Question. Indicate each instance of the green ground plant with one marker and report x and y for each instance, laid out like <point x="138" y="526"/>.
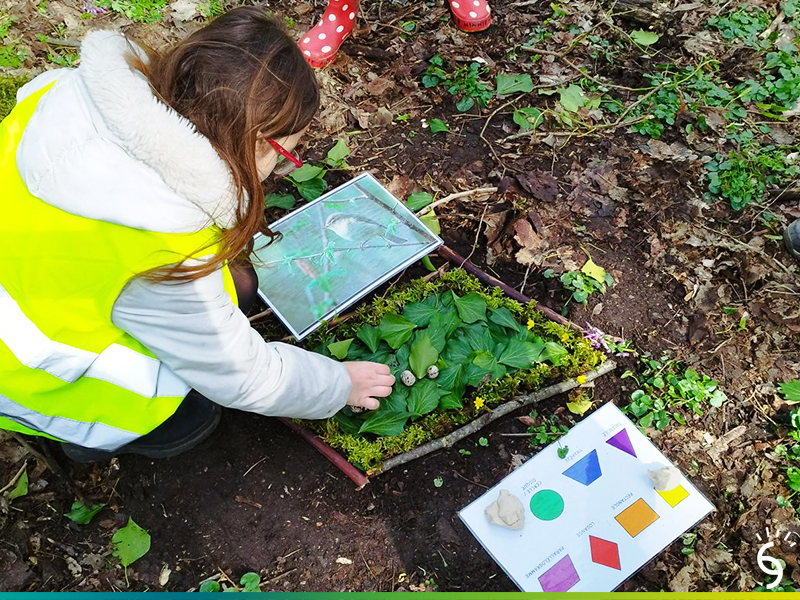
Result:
<point x="464" y="83"/>
<point x="309" y="180"/>
<point x="249" y="582"/>
<point x="546" y="431"/>
<point x="582" y="284"/>
<point x="743" y="175"/>
<point x="12" y="53"/>
<point x="369" y="451"/>
<point x="667" y="390"/>
<point x="140" y="11"/>
<point x="742" y="24"/>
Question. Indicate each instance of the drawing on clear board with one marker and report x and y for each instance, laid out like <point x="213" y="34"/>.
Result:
<point x="622" y="441"/>
<point x="560" y="577"/>
<point x="586" y="470"/>
<point x="334" y="250"/>
<point x="604" y="552"/>
<point x="637" y="517"/>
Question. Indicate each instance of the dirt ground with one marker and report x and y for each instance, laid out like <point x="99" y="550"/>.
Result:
<point x="255" y="497"/>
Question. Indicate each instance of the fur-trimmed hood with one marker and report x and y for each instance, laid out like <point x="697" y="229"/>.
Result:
<point x="101" y="145"/>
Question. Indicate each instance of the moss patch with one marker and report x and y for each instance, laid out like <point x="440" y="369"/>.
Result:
<point x="369" y="452"/>
<point x="8" y="93"/>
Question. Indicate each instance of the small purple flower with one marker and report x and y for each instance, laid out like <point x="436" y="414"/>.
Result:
<point x="90" y="8"/>
<point x="607" y="343"/>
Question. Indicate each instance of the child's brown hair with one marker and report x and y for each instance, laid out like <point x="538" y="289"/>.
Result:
<point x="237" y="79"/>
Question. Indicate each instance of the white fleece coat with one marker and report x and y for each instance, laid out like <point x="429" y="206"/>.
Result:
<point x="101" y="146"/>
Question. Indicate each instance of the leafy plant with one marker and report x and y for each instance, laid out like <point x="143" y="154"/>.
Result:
<point x="743" y="175"/>
<point x="141" y="11"/>
<point x="742" y="24"/>
<point x="213" y="8"/>
<point x="309" y="180"/>
<point x="666" y="386"/>
<point x="791" y="391"/>
<point x="644" y="38"/>
<point x="469" y="343"/>
<point x="528" y="118"/>
<point x="464" y="83"/>
<point x="547" y="431"/>
<point x="12" y="54"/>
<point x="249" y="583"/>
<point x="582" y="284"/>
<point x="513" y="84"/>
<point x="438" y="125"/>
<point x="438" y="482"/>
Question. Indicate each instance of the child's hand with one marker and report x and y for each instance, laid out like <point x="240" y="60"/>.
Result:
<point x="370" y="381"/>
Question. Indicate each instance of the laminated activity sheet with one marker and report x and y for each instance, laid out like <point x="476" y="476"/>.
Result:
<point x="590" y="520"/>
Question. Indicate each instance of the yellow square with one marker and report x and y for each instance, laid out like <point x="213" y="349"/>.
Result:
<point x="674" y="496"/>
<point x="637" y="517"/>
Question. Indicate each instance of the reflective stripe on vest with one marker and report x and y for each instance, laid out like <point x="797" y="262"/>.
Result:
<point x="116" y="364"/>
<point x="66" y="371"/>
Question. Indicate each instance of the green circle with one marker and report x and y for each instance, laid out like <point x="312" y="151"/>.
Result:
<point x="547" y="505"/>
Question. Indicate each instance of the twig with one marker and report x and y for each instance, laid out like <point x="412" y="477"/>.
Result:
<point x="486" y="487"/>
<point x="254" y="466"/>
<point x="520" y="401"/>
<point x="446" y="199"/>
<point x="65" y="43"/>
<point x="30" y="449"/>
<point x="15" y="478"/>
<point x="263" y="313"/>
<point x="773" y="26"/>
<point x="274" y="579"/>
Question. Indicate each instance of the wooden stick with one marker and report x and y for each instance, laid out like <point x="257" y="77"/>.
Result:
<point x="462" y="262"/>
<point x="334" y="457"/>
<point x="15" y="478"/>
<point x="446" y="199"/>
<point x="520" y="401"/>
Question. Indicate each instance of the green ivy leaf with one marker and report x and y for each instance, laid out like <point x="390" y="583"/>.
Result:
<point x="793" y="476"/>
<point x="396" y="330"/>
<point x="553" y="352"/>
<point x="528" y="118"/>
<point x="644" y="38"/>
<point x="312" y="189"/>
<point x="384" y="422"/>
<point x="82" y="514"/>
<point x="451" y="401"/>
<point x="419" y="201"/>
<point x="421" y="313"/>
<point x="512" y="84"/>
<point x="431" y="222"/>
<point x="456" y="351"/>
<point x="426" y="262"/>
<point x="503" y="317"/>
<point x="464" y="104"/>
<point x="397" y="400"/>
<point x="446" y="318"/>
<point x="519" y="354"/>
<point x="791" y="390"/>
<point x="422" y="356"/>
<point x="305" y="173"/>
<point x="210" y="586"/>
<point x="487" y="361"/>
<point x="337" y="154"/>
<point x="250" y="581"/>
<point x="130" y="543"/>
<point x="370" y="336"/>
<point x="339" y="349"/>
<point x="471" y="308"/>
<point x="21" y="488"/>
<point x="347" y="421"/>
<point x="438" y="125"/>
<point x="478" y="336"/>
<point x="284" y="201"/>
<point x="424" y="398"/>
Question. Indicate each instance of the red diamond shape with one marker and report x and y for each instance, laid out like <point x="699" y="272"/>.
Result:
<point x="604" y="552"/>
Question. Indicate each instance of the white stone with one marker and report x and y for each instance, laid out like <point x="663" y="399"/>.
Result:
<point x="507" y="511"/>
<point x="433" y="372"/>
<point x="408" y="379"/>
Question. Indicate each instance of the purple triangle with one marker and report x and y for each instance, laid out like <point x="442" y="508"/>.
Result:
<point x="621" y="441"/>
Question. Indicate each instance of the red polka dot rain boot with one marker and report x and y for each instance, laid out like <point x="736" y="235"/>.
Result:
<point x="471" y="15"/>
<point x="322" y="41"/>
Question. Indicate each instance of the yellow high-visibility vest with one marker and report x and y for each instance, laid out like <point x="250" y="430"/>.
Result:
<point x="66" y="371"/>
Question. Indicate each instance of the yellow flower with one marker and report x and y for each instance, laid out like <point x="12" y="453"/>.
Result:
<point x="581" y="379"/>
<point x="479" y="402"/>
<point x="565" y="337"/>
<point x="530" y="324"/>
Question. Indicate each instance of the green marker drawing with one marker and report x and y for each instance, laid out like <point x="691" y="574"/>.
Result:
<point x="547" y="505"/>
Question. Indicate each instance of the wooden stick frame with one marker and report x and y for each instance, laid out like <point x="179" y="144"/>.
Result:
<point x="361" y="479"/>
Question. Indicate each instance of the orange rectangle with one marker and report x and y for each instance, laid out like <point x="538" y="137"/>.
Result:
<point x="637" y="517"/>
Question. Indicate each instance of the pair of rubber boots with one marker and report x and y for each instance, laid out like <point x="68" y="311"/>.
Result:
<point x="321" y="43"/>
<point x="196" y="418"/>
